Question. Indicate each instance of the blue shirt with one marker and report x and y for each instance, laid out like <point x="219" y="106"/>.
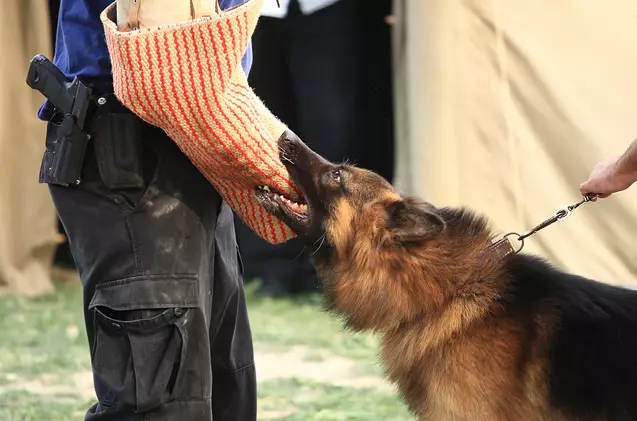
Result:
<point x="80" y="45"/>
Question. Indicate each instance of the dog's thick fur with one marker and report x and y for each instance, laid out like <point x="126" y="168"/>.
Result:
<point x="466" y="336"/>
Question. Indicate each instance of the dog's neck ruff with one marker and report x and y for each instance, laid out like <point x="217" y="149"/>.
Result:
<point x="186" y="78"/>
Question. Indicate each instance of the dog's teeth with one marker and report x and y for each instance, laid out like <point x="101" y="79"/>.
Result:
<point x="266" y="188"/>
<point x="296" y="206"/>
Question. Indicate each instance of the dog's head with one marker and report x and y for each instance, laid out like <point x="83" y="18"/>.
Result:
<point x="383" y="258"/>
<point x="340" y="200"/>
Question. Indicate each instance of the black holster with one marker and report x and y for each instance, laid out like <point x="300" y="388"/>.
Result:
<point x="66" y="158"/>
<point x="74" y="105"/>
<point x="113" y="135"/>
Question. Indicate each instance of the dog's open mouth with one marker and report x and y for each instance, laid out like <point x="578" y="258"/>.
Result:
<point x="282" y="206"/>
<point x="299" y="211"/>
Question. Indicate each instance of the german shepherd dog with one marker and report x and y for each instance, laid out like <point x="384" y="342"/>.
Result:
<point x="465" y="335"/>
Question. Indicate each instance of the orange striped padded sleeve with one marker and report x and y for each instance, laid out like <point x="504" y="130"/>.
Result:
<point x="186" y="78"/>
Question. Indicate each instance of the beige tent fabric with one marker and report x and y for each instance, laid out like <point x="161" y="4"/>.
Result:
<point x="27" y="217"/>
<point x="506" y="106"/>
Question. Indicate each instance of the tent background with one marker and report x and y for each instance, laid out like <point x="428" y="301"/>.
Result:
<point x="501" y="106"/>
<point x="28" y="233"/>
<point x="507" y="106"/>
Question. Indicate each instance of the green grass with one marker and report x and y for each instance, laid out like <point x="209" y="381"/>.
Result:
<point x="43" y="335"/>
<point x="42" y="342"/>
<point x="279" y="324"/>
<point x="24" y="406"/>
<point x="304" y="400"/>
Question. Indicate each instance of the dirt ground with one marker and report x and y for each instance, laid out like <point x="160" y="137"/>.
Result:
<point x="335" y="370"/>
<point x="308" y="367"/>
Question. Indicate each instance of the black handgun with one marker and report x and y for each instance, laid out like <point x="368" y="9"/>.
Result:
<point x="73" y="100"/>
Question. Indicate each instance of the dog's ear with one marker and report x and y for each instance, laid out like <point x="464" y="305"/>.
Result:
<point x="412" y="222"/>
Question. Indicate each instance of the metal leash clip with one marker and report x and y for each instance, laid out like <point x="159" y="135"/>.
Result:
<point x="504" y="246"/>
<point x="563" y="213"/>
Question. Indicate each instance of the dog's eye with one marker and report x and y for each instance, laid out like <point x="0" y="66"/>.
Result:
<point x="335" y="175"/>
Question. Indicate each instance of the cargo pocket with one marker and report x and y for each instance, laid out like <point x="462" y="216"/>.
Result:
<point x="146" y="341"/>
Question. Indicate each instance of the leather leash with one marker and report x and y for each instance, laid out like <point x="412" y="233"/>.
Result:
<point x="503" y="247"/>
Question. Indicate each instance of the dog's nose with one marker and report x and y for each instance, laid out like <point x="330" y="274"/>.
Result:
<point x="289" y="145"/>
<point x="288" y="137"/>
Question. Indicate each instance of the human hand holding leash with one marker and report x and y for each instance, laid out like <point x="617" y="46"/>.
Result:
<point x="613" y="174"/>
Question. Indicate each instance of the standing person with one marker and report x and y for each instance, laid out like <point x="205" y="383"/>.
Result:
<point x="155" y="248"/>
<point x="323" y="67"/>
<point x="613" y="174"/>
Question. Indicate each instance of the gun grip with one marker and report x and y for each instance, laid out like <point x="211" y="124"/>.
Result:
<point x="47" y="79"/>
<point x="33" y="75"/>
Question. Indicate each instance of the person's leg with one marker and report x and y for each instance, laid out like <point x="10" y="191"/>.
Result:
<point x="159" y="285"/>
<point x="234" y="377"/>
<point x="270" y="73"/>
<point x="281" y="268"/>
<point x="326" y="66"/>
<point x="377" y="143"/>
<point x="305" y="71"/>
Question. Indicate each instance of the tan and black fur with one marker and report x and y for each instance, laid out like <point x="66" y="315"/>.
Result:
<point x="466" y="335"/>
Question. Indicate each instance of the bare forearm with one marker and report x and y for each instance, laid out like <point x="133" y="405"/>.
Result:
<point x="627" y="164"/>
<point x="613" y="174"/>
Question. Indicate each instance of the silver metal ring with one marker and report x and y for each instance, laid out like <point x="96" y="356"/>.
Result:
<point x="520" y="240"/>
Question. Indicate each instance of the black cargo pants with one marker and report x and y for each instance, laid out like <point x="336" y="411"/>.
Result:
<point x="164" y="304"/>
